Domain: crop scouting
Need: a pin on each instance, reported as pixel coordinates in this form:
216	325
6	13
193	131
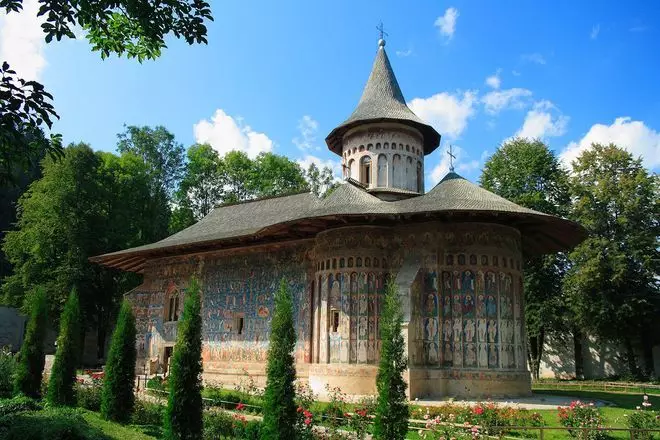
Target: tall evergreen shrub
61	390
183	416
279	409
30	368
392	410
117	397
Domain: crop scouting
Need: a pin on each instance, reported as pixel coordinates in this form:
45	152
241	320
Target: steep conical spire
382	100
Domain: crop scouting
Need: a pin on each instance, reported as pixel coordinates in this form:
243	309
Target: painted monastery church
456	253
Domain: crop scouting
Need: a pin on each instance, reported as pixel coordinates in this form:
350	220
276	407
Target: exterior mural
237	290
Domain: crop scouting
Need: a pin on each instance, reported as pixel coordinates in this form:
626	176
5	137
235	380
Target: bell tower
382	144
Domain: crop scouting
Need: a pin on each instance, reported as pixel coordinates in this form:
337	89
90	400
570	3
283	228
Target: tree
321	182
529	174
279	408
137	29
613	284
392	410
202	184
85	204
62	379
183	415
277	175
24	108
31	359
158	148
117	398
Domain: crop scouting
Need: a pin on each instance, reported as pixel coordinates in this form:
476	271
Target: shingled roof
383	101
304	215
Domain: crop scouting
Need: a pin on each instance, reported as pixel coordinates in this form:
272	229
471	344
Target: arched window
173	308
409	173
378	146
370	147
351	166
420	181
382	171
361	148
386	145
397	171
365	170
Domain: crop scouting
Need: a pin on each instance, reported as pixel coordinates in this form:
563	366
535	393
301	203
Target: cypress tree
61	389
183	416
30	368
117	398
392	410
279	408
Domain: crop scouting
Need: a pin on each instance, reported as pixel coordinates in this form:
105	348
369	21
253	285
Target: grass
120	432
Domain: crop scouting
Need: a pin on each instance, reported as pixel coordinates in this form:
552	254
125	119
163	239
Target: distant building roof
383	101
304	215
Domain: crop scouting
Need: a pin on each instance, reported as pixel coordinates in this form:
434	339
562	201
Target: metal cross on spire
381	32
452	157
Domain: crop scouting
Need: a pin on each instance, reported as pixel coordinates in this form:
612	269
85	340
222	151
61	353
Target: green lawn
116	431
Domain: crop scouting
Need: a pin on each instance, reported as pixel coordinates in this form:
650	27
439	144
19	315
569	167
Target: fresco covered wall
235	285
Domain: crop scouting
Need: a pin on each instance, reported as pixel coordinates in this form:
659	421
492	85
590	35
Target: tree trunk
631	358
647	351
577	354
536	352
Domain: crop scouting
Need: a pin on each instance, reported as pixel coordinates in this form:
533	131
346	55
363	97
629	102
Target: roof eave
430	135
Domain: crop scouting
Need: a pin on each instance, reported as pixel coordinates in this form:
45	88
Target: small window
335	321
173	310
238	324
365	171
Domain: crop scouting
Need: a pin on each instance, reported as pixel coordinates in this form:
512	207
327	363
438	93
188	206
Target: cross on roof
451	157
381	31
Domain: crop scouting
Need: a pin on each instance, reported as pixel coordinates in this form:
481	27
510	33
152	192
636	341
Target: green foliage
582	415
86	204
147	413
321	182
183	416
18	404
644	418
279	398
89	395
31	360
49	424
25	107
218	425
118	400
612	284
392	412
137	29
229	399
7	369
61	389
210	180
528	173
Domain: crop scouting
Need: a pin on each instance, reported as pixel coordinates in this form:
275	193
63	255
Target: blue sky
278	76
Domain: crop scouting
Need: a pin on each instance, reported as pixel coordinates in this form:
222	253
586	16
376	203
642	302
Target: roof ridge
259	199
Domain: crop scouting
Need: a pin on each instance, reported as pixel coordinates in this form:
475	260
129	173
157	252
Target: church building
455	252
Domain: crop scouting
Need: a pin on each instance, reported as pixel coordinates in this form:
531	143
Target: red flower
307	414
240	406
478	410
300	409
361	412
308	421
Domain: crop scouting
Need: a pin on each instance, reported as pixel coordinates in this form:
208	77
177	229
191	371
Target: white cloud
595	30
404	53
225	133
447	23
542	121
494	80
499	100
309	159
536	58
634	136
22	41
447	113
308	128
